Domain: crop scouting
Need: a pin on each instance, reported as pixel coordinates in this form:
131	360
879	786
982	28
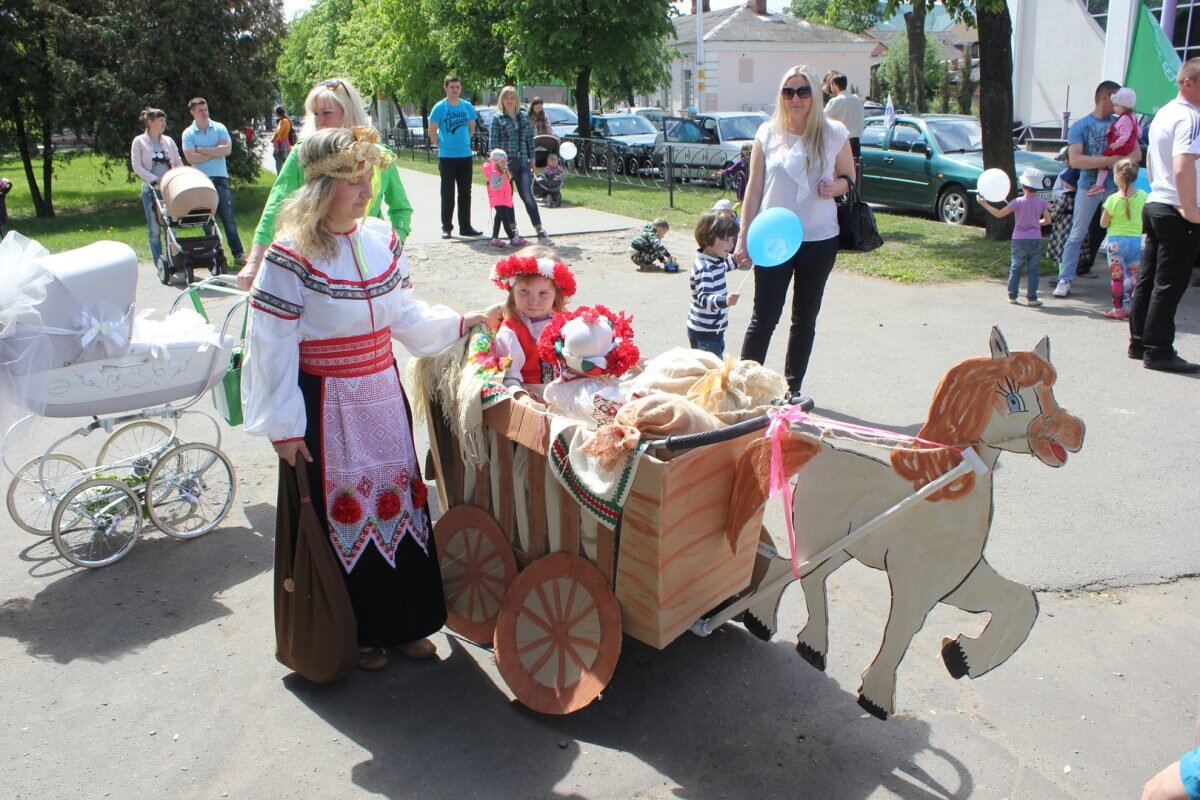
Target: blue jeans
709	342
152	224
523	178
225	212
1026	253
1085	209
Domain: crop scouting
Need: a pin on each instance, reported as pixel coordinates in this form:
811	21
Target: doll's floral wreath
618	359
347	165
506	271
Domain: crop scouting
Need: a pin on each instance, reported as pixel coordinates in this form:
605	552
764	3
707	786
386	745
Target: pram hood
187	192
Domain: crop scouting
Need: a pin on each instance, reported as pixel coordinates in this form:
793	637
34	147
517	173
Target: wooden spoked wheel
558	635
477	568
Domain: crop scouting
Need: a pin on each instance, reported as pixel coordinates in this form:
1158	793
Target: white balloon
567	150
994	185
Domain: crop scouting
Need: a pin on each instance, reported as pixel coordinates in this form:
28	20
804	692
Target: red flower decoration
420	495
346	509
389	504
507	270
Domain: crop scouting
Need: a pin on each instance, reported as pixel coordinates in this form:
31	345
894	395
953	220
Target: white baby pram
186	201
72	346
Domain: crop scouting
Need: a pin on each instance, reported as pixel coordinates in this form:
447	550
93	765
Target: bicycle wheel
32	500
190	490
97	522
133	449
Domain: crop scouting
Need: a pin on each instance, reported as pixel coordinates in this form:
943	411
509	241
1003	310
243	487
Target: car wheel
618	166
954	206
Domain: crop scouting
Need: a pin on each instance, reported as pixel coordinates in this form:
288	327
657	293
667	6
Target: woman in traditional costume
321	382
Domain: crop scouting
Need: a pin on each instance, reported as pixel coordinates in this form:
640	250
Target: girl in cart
320	381
151	155
538	285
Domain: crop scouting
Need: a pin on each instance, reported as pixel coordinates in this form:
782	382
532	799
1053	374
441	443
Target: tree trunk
39	206
996	102
583	102
46	104
914	24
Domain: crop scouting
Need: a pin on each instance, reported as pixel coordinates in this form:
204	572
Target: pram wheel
31	502
133	449
554	200
190	490
163	269
97	523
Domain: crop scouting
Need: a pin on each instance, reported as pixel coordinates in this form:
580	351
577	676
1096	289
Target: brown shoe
373	659
421	648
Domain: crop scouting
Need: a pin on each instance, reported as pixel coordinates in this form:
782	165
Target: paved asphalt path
155	677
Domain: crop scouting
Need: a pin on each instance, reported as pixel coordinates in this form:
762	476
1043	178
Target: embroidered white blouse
363	288
508	344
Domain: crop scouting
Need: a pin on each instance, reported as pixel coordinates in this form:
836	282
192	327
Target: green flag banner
1153	64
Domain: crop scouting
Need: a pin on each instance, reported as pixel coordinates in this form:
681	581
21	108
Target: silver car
695	147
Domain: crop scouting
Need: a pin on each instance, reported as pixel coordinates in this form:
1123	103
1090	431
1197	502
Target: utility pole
699	79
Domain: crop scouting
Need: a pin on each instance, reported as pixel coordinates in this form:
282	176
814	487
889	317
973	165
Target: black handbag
856	223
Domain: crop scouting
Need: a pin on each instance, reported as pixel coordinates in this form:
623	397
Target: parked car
629	137
563	119
698	146
480	142
653	113
932	162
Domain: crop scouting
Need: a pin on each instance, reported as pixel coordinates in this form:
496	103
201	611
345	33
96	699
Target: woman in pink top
151	155
500	197
1031	212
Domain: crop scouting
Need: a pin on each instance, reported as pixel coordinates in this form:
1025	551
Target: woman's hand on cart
290	449
245	277
493	317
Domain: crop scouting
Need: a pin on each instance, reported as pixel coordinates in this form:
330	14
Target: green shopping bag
227	395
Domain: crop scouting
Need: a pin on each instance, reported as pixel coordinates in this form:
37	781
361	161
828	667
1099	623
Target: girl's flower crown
506	271
618	357
349	164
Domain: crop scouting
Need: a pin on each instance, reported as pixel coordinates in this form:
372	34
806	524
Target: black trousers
506	215
807	272
456	177
1172	244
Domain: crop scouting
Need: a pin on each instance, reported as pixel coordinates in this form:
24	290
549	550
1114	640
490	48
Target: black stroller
547	188
187	200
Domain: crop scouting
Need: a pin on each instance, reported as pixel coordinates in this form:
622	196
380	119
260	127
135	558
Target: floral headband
349	164
506	271
619	357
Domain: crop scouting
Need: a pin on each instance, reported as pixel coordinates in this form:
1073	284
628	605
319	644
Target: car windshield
413	122
741	127
957	135
561	116
629	125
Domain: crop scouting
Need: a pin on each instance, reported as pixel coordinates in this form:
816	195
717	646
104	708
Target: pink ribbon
782	417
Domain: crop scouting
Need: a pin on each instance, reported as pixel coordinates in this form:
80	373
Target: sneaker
1087	273
1063	289
499	243
1033	302
542	235
469	232
517	241
1012	300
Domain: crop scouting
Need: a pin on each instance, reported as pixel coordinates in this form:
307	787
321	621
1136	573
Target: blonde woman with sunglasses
333	103
800	161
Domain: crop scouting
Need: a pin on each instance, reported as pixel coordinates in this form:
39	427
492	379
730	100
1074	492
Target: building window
745	70
1185	37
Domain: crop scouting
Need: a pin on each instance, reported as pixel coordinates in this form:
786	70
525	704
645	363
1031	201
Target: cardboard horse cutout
932	550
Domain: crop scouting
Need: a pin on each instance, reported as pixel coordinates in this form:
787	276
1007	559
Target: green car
931	162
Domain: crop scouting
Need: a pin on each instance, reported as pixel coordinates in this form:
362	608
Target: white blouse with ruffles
792	177
363	288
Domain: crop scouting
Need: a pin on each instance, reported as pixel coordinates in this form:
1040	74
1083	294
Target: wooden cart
527	570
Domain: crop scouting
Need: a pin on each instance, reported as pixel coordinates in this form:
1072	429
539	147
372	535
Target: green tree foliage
92	65
966	84
849	16
574	40
892	76
392	51
309	51
471	37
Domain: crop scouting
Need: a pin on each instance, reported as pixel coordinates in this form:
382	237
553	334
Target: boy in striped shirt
708	315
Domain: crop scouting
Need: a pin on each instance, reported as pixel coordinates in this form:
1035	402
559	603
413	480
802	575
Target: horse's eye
1015	402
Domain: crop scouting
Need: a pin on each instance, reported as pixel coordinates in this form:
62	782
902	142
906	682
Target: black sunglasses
800	91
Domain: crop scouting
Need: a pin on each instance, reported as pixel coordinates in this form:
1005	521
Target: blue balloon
775	235
1142	182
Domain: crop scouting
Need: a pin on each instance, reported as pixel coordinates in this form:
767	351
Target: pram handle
692	440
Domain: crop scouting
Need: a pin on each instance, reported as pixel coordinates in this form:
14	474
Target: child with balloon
1031	213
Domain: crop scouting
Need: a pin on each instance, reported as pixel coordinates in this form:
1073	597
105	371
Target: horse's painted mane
962	406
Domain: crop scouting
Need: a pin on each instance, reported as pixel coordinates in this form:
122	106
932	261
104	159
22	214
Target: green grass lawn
93	202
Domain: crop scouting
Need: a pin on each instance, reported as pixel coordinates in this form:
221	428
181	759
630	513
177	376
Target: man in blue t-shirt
1085	144
451	128
206	144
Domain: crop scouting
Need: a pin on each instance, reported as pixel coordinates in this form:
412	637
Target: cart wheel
558	635
31	501
132	450
477	569
97	523
190	490
163	268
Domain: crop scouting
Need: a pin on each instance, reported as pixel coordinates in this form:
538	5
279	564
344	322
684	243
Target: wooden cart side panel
535	490
638	582
568	521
